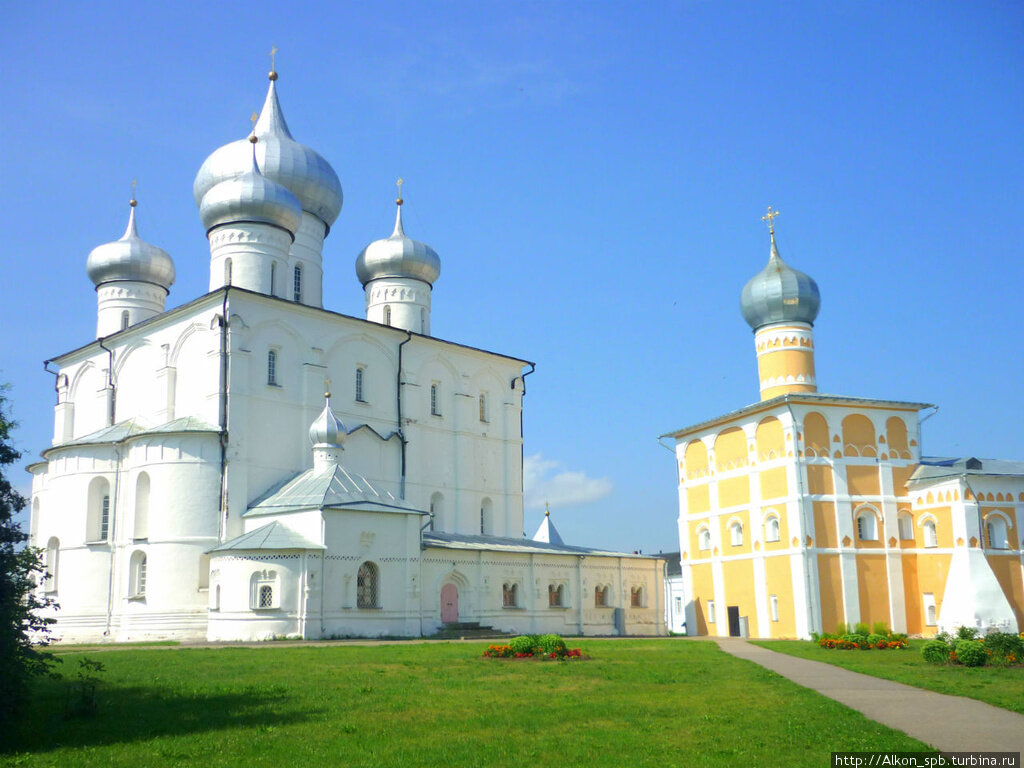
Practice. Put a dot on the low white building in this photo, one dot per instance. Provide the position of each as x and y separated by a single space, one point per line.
181 496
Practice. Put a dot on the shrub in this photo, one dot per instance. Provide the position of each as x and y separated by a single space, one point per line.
841 629
524 644
551 644
856 637
936 652
862 628
966 633
946 638
971 653
880 628
1004 644
877 640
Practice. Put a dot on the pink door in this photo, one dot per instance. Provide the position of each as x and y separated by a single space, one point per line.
449 604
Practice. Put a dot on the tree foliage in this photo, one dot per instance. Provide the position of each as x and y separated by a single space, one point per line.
21 628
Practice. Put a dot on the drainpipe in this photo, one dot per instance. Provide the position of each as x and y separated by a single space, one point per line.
803 519
222 417
579 571
398 402
56 379
112 533
111 410
522 444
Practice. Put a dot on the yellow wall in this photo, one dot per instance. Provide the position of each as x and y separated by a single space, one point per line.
932 571
830 583
731 449
912 596
816 434
784 363
825 534
819 479
873 589
1008 573
779 582
698 499
769 438
733 491
703 590
773 483
739 580
900 476
862 481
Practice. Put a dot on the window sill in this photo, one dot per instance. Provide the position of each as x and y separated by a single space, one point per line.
559 607
136 598
513 608
369 608
98 543
265 609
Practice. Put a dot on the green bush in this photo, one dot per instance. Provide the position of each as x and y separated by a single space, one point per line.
936 652
966 633
861 628
971 653
552 644
841 629
524 644
875 639
856 637
1005 644
898 636
880 628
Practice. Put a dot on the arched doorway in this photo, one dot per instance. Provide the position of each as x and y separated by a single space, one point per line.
449 604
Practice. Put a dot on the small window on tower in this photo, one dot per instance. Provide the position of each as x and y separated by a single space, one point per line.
483 407
104 518
273 277
272 368
435 399
360 383
297 286
227 271
387 314
124 319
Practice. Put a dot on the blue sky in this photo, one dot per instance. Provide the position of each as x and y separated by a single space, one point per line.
593 177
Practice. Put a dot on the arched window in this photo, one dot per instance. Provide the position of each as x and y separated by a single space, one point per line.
215 602
486 517
556 595
124 319
141 530
771 529
930 612
435 399
387 314
137 575
704 539
867 526
264 593
995 527
931 536
366 586
636 597
98 518
600 596
773 606
437 511
736 534
423 320
52 564
483 407
273 278
297 283
227 271
272 368
360 382
906 526
509 595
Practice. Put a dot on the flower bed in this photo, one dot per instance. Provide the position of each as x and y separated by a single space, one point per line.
863 640
534 647
967 648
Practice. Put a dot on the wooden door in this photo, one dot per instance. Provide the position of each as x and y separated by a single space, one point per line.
449 604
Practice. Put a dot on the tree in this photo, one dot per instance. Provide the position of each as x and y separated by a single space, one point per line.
21 628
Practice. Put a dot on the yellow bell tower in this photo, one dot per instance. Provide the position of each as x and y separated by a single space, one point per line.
780 304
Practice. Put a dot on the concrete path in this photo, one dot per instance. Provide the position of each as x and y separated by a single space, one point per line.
948 723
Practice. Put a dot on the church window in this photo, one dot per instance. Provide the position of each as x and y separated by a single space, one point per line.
98 514
435 399
52 557
105 518
556 595
600 596
273 277
483 407
141 530
931 537
264 593
437 522
486 517
360 377
215 602
771 529
636 597
704 539
995 527
930 612
124 319
272 368
773 605
366 586
510 595
736 534
906 527
387 314
137 575
297 283
867 526
266 596
227 271
711 611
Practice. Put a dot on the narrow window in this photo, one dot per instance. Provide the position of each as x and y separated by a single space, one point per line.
509 595
906 527
387 314
931 537
272 368
483 407
930 614
636 597
772 529
266 598
996 530
711 611
600 597
773 603
736 534
141 530
435 401
555 595
273 277
124 319
679 605
137 587
105 518
263 591
366 586
867 526
359 385
227 271
704 539
297 283
52 556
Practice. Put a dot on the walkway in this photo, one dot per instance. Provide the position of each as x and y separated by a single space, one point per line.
948 723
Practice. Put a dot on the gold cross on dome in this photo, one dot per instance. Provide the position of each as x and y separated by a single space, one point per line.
769 218
273 54
253 118
134 182
327 387
399 184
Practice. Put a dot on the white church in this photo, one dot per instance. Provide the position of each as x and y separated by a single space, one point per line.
251 465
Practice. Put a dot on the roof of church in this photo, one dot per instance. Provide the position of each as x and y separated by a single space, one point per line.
270 536
136 427
508 544
331 488
547 532
932 467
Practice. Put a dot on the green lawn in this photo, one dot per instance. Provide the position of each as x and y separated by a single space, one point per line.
999 686
636 703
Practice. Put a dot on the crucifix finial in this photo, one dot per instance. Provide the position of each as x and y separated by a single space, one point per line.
769 217
133 202
273 59
547 512
399 184
327 388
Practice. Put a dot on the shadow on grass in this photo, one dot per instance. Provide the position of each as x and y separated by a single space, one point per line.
137 713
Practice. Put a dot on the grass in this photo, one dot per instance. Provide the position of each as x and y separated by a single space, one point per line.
998 686
637 702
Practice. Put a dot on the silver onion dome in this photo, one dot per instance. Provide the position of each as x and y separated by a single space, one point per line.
398 256
251 197
130 258
778 294
304 172
327 430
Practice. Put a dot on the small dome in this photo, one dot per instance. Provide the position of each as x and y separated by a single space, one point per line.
130 258
779 294
304 172
251 197
398 256
327 430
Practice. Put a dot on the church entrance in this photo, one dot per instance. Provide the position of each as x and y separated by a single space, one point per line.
449 604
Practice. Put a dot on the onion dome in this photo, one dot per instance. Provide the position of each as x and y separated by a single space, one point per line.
304 172
327 429
398 256
130 258
251 197
779 294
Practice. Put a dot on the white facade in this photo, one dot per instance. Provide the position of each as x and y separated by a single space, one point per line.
172 436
